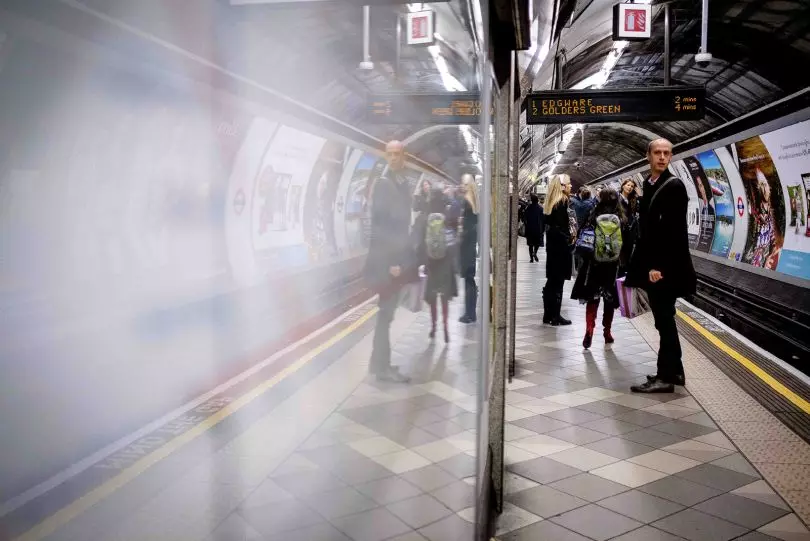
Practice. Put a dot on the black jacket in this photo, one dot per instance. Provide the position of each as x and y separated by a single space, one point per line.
535 223
390 244
663 242
559 259
469 241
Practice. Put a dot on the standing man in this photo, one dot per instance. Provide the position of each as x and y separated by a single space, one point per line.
391 260
662 264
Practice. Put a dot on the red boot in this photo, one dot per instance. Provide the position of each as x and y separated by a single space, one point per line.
590 323
607 321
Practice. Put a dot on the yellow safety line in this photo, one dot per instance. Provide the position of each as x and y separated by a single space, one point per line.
752 367
79 506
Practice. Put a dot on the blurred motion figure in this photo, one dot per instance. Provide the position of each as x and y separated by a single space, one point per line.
468 248
391 259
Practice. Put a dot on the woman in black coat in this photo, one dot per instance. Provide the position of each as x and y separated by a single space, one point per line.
534 221
597 280
629 200
558 249
468 249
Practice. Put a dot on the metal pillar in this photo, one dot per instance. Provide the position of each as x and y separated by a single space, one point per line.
667 54
514 121
500 270
399 46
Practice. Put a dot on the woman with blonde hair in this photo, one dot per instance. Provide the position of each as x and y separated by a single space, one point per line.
558 248
468 248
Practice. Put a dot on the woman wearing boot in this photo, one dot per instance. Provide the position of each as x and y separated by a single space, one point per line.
468 251
558 248
533 218
596 280
439 263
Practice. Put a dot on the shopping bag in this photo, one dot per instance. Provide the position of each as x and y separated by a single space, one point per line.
633 301
413 294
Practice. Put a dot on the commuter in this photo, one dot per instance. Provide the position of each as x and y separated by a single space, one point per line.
468 248
558 248
420 207
534 221
596 275
391 262
630 201
662 264
440 241
583 204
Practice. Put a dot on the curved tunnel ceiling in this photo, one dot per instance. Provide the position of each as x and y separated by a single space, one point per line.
758 46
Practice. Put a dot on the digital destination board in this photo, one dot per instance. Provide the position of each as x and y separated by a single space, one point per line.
429 109
629 104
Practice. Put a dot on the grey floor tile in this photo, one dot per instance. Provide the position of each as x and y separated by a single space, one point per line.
596 522
389 490
608 409
539 391
647 533
360 471
738 463
653 438
457 496
543 531
310 482
280 516
574 416
540 424
543 470
749 513
578 435
589 487
680 490
642 418
339 503
682 428
452 528
429 478
641 506
419 511
319 532
611 426
461 465
697 526
545 501
701 418
756 536
410 536
444 428
716 477
235 528
446 410
410 437
372 525
619 447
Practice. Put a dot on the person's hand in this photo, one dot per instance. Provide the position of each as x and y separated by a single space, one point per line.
655 276
395 271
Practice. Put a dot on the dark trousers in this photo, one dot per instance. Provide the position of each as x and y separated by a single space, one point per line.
670 363
381 346
552 297
470 295
533 251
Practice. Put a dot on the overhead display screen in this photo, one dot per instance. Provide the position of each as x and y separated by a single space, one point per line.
430 109
629 104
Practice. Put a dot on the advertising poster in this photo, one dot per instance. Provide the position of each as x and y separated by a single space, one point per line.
321 197
766 205
278 229
723 202
727 159
693 207
789 149
357 201
705 204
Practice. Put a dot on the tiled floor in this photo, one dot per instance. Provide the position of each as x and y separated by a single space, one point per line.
593 461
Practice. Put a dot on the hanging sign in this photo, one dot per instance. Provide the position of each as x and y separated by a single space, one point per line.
632 22
420 28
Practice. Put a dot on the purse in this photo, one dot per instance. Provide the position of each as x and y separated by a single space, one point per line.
585 241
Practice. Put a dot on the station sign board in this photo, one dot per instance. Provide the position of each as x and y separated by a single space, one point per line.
425 109
619 105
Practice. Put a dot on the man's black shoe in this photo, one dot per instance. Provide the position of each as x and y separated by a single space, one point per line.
654 386
562 321
679 379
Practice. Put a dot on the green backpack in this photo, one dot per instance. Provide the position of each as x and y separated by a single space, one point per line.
608 233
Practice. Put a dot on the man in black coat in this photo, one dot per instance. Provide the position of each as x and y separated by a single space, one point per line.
661 263
391 259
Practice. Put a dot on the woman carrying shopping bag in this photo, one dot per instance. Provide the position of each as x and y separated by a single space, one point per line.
600 247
